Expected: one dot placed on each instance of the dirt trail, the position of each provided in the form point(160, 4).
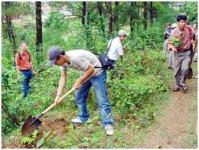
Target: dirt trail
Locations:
point(178, 122)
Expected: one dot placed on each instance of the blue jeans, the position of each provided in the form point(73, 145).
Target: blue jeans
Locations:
point(99, 84)
point(26, 81)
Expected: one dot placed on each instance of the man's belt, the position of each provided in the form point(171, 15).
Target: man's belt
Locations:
point(184, 50)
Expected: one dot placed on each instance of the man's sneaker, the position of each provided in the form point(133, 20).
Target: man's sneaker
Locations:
point(79, 121)
point(109, 129)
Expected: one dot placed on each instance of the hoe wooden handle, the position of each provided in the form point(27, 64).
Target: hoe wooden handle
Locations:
point(54, 104)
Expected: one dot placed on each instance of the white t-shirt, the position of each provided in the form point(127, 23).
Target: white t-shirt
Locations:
point(80, 60)
point(115, 49)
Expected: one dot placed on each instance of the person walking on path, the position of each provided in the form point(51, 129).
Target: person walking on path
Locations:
point(24, 66)
point(167, 33)
point(170, 54)
point(180, 42)
point(93, 75)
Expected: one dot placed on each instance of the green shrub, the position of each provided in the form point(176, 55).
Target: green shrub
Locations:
point(152, 38)
point(57, 21)
point(137, 84)
point(137, 92)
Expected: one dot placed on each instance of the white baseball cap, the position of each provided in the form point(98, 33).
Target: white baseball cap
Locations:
point(122, 33)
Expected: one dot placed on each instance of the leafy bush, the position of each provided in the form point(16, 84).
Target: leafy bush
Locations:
point(152, 38)
point(57, 21)
point(143, 79)
point(137, 92)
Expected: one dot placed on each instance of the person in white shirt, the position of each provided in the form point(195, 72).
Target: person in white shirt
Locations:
point(88, 63)
point(115, 46)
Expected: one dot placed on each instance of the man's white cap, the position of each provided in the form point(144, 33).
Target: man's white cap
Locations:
point(122, 33)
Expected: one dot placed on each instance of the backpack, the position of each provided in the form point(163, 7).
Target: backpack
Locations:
point(105, 61)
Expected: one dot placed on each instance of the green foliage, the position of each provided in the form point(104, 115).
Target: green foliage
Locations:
point(30, 139)
point(56, 21)
point(165, 12)
point(57, 4)
point(137, 92)
point(190, 8)
point(142, 76)
point(16, 8)
point(141, 39)
point(176, 41)
point(25, 33)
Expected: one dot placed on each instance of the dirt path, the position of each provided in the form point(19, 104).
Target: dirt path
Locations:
point(177, 126)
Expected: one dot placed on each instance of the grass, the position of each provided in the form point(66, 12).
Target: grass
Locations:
point(127, 134)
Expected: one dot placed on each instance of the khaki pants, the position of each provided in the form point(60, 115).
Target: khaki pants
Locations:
point(181, 67)
point(169, 54)
point(171, 59)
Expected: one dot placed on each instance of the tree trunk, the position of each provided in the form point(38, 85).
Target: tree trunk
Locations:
point(10, 116)
point(110, 27)
point(145, 15)
point(99, 7)
point(151, 12)
point(116, 16)
point(38, 29)
point(132, 16)
point(85, 23)
point(84, 13)
point(10, 31)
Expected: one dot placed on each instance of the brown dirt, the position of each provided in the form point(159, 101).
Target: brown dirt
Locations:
point(174, 126)
point(57, 126)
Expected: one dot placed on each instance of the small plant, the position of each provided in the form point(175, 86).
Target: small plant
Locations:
point(30, 139)
point(176, 41)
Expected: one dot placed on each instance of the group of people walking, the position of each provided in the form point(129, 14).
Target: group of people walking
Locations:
point(180, 46)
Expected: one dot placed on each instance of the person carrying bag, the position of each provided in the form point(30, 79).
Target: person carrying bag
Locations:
point(115, 50)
